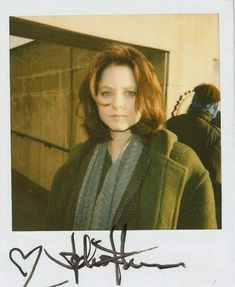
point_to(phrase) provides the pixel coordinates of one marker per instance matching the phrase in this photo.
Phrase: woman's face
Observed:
(117, 91)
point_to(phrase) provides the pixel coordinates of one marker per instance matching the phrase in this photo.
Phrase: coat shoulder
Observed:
(185, 155)
(166, 143)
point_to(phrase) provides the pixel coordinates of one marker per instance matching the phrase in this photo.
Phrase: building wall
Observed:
(45, 78)
(39, 108)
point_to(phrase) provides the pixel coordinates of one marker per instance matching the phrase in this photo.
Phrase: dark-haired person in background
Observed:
(196, 130)
(130, 170)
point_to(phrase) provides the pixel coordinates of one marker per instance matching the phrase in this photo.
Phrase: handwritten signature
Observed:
(87, 259)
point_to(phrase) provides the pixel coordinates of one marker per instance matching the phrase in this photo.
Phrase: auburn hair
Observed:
(148, 98)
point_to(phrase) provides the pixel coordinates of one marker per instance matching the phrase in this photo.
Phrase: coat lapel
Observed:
(161, 181)
(132, 188)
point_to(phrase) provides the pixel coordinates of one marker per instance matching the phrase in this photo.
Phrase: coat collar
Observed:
(159, 143)
(200, 114)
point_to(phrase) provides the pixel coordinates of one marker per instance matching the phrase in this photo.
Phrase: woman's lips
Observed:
(117, 116)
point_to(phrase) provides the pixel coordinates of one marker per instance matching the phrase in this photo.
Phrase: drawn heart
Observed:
(25, 256)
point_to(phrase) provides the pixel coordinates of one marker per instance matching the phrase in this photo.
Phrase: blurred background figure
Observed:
(197, 130)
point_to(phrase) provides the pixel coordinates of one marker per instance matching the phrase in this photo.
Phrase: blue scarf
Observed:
(97, 211)
(211, 109)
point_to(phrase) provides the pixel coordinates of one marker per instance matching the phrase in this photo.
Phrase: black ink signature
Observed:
(76, 262)
(87, 259)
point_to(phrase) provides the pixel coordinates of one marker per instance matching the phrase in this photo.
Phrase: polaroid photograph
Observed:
(117, 124)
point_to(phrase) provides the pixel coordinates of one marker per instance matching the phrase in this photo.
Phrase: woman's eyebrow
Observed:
(130, 88)
(104, 87)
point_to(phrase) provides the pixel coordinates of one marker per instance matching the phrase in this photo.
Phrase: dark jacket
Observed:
(217, 120)
(195, 130)
(169, 189)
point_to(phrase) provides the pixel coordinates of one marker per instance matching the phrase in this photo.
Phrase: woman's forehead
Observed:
(117, 74)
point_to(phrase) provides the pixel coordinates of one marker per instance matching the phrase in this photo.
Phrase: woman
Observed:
(130, 170)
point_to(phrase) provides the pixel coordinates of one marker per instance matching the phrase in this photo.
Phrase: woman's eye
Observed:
(106, 94)
(131, 93)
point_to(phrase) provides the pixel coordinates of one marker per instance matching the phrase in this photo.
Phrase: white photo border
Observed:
(209, 255)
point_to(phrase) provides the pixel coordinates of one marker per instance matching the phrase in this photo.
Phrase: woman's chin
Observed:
(119, 129)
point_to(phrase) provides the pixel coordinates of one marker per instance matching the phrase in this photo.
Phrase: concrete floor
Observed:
(29, 204)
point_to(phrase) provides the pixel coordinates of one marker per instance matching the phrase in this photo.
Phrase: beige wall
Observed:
(191, 39)
(40, 108)
(193, 33)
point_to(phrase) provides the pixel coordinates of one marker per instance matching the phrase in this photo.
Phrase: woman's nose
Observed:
(118, 101)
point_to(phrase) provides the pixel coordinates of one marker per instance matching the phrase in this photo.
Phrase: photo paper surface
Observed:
(46, 51)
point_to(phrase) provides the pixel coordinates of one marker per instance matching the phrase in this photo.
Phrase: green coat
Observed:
(205, 140)
(170, 189)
